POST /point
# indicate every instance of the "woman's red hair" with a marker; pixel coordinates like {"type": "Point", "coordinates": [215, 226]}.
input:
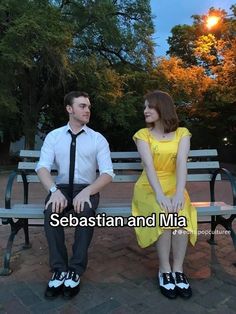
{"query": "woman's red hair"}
{"type": "Point", "coordinates": [164, 105]}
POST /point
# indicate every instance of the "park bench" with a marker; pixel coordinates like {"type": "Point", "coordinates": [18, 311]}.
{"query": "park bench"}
{"type": "Point", "coordinates": [202, 167]}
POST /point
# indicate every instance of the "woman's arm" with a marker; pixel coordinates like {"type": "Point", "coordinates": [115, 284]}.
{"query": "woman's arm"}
{"type": "Point", "coordinates": [146, 156]}
{"type": "Point", "coordinates": [181, 173]}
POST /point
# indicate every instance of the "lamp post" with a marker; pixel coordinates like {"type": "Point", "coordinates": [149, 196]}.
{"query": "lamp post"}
{"type": "Point", "coordinates": [217, 23]}
{"type": "Point", "coordinates": [212, 19]}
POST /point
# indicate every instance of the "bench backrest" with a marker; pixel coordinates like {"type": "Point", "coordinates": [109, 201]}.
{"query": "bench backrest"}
{"type": "Point", "coordinates": [127, 165]}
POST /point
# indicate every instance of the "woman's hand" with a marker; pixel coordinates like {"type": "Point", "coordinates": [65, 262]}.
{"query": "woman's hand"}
{"type": "Point", "coordinates": [178, 202]}
{"type": "Point", "coordinates": [165, 203]}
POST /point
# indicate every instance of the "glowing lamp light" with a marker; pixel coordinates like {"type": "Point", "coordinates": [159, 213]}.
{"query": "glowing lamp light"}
{"type": "Point", "coordinates": [212, 20]}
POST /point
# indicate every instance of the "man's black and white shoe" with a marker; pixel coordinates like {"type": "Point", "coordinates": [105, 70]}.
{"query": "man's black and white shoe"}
{"type": "Point", "coordinates": [167, 285]}
{"type": "Point", "coordinates": [182, 285]}
{"type": "Point", "coordinates": [55, 285]}
{"type": "Point", "coordinates": [71, 284]}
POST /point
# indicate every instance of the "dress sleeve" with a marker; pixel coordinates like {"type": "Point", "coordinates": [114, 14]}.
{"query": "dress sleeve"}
{"type": "Point", "coordinates": [185, 132]}
{"type": "Point", "coordinates": [142, 134]}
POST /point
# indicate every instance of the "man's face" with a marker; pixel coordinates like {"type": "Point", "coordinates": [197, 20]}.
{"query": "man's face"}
{"type": "Point", "coordinates": [80, 110]}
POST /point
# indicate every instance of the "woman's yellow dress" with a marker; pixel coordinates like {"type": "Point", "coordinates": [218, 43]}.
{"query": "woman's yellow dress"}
{"type": "Point", "coordinates": [144, 203]}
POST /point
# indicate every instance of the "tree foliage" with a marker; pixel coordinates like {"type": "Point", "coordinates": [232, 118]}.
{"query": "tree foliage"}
{"type": "Point", "coordinates": [48, 48]}
{"type": "Point", "coordinates": [182, 43]}
{"type": "Point", "coordinates": [214, 52]}
{"type": "Point", "coordinates": [33, 47]}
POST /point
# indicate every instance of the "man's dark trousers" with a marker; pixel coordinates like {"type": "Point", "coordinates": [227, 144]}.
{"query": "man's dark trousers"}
{"type": "Point", "coordinates": [58, 257]}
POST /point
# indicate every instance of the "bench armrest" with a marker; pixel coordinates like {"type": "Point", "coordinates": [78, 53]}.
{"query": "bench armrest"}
{"type": "Point", "coordinates": [8, 192]}
{"type": "Point", "coordinates": [231, 180]}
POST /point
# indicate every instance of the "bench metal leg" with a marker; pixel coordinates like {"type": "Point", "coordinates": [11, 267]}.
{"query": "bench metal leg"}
{"type": "Point", "coordinates": [27, 244]}
{"type": "Point", "coordinates": [212, 241]}
{"type": "Point", "coordinates": [15, 227]}
{"type": "Point", "coordinates": [227, 224]}
{"type": "Point", "coordinates": [5, 271]}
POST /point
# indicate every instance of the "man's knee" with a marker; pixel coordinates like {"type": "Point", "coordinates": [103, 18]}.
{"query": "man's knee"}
{"type": "Point", "coordinates": [87, 212]}
{"type": "Point", "coordinates": [48, 211]}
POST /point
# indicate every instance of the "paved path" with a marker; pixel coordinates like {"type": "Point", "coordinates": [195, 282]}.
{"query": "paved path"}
{"type": "Point", "coordinates": [121, 277]}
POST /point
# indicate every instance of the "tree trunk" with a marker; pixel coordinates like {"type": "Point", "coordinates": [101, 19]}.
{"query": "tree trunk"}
{"type": "Point", "coordinates": [29, 132]}
{"type": "Point", "coordinates": [5, 152]}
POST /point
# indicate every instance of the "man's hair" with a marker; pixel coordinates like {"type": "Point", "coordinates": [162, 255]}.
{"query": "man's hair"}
{"type": "Point", "coordinates": [69, 98]}
{"type": "Point", "coordinates": [164, 105]}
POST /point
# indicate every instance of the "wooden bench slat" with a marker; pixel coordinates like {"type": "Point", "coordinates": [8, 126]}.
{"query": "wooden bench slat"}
{"type": "Point", "coordinates": [125, 155]}
{"type": "Point", "coordinates": [29, 153]}
{"type": "Point", "coordinates": [131, 165]}
{"type": "Point", "coordinates": [190, 165]}
{"type": "Point", "coordinates": [31, 178]}
{"type": "Point", "coordinates": [192, 153]}
{"type": "Point", "coordinates": [29, 165]}
{"type": "Point", "coordinates": [203, 153]}
{"type": "Point", "coordinates": [35, 211]}
{"type": "Point", "coordinates": [203, 165]}
{"type": "Point", "coordinates": [132, 178]}
{"type": "Point", "coordinates": [205, 177]}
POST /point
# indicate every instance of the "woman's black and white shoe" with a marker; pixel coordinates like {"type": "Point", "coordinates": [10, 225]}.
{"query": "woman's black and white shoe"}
{"type": "Point", "coordinates": [182, 285]}
{"type": "Point", "coordinates": [167, 285]}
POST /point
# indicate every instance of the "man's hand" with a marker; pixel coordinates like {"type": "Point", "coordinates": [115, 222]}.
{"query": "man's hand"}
{"type": "Point", "coordinates": [59, 202]}
{"type": "Point", "coordinates": [165, 203]}
{"type": "Point", "coordinates": [178, 202]}
{"type": "Point", "coordinates": [80, 200]}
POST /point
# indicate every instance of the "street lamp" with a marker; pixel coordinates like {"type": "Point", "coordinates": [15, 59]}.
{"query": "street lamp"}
{"type": "Point", "coordinates": [212, 20]}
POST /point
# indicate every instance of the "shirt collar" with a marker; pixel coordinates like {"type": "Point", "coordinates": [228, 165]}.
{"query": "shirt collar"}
{"type": "Point", "coordinates": [85, 128]}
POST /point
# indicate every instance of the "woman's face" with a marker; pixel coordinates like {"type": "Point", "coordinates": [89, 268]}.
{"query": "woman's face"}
{"type": "Point", "coordinates": [151, 115]}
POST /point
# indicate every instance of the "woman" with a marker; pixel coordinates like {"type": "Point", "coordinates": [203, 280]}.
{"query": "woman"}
{"type": "Point", "coordinates": [164, 148]}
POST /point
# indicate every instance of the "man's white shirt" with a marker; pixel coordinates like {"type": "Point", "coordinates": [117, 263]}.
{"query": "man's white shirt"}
{"type": "Point", "coordinates": [92, 153]}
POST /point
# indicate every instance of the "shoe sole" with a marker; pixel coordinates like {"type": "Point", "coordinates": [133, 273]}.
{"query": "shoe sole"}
{"type": "Point", "coordinates": [57, 294]}
{"type": "Point", "coordinates": [171, 297]}
{"type": "Point", "coordinates": [75, 292]}
{"type": "Point", "coordinates": [182, 295]}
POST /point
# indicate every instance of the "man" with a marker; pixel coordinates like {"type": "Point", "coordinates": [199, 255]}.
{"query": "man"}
{"type": "Point", "coordinates": [76, 150]}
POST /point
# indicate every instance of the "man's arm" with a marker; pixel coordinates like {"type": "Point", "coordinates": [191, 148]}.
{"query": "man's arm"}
{"type": "Point", "coordinates": [106, 174]}
{"type": "Point", "coordinates": [84, 196]}
{"type": "Point", "coordinates": [43, 170]}
{"type": "Point", "coordinates": [58, 200]}
{"type": "Point", "coordinates": [45, 178]}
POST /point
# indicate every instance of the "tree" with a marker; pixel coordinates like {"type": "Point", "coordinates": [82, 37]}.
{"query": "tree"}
{"type": "Point", "coordinates": [51, 47]}
{"type": "Point", "coordinates": [213, 51]}
{"type": "Point", "coordinates": [188, 87]}
{"type": "Point", "coordinates": [182, 43]}
{"type": "Point", "coordinates": [116, 100]}
{"type": "Point", "coordinates": [115, 31]}
{"type": "Point", "coordinates": [34, 51]}
{"type": "Point", "coordinates": [112, 49]}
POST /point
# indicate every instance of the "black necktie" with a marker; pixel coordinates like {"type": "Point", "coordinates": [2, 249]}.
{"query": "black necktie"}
{"type": "Point", "coordinates": [72, 163]}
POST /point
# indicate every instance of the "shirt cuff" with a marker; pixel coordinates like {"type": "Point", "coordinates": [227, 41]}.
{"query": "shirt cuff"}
{"type": "Point", "coordinates": [110, 172]}
{"type": "Point", "coordinates": [39, 166]}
